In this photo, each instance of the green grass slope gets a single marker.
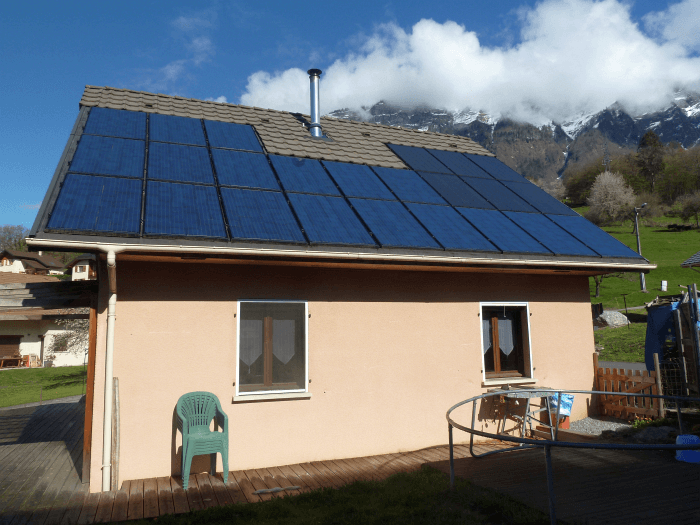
(28, 385)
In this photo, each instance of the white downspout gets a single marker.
(109, 373)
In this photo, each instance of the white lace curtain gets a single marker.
(283, 337)
(506, 329)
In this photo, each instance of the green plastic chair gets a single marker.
(195, 412)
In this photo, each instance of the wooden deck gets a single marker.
(40, 461)
(594, 486)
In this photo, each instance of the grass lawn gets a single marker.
(665, 248)
(418, 497)
(623, 343)
(25, 385)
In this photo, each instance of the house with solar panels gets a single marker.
(338, 285)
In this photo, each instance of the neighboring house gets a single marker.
(14, 261)
(83, 267)
(338, 294)
(31, 331)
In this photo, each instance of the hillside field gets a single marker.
(661, 246)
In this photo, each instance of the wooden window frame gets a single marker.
(524, 342)
(267, 352)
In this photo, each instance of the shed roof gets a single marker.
(152, 173)
(39, 261)
(691, 261)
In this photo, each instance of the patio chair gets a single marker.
(195, 412)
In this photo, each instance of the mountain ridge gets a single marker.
(546, 151)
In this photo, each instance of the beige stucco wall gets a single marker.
(389, 353)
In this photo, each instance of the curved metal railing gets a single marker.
(524, 442)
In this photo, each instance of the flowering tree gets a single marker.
(73, 338)
(610, 199)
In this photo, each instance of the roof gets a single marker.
(7, 278)
(41, 261)
(82, 258)
(146, 173)
(692, 261)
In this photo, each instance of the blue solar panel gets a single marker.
(419, 159)
(539, 198)
(109, 156)
(595, 238)
(455, 191)
(408, 186)
(498, 195)
(116, 123)
(502, 232)
(106, 204)
(180, 130)
(392, 224)
(495, 168)
(260, 215)
(549, 234)
(183, 210)
(329, 220)
(357, 180)
(179, 163)
(450, 228)
(241, 168)
(233, 136)
(303, 175)
(459, 164)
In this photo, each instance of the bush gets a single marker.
(610, 198)
(690, 207)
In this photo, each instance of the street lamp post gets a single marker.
(642, 281)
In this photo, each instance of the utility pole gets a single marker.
(642, 281)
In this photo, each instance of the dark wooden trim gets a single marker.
(90, 391)
(495, 343)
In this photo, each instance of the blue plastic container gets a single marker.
(689, 456)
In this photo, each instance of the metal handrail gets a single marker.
(546, 444)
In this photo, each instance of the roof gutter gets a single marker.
(58, 244)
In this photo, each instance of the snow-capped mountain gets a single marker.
(545, 151)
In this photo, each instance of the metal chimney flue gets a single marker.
(315, 127)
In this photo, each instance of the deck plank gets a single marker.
(305, 476)
(75, 505)
(120, 507)
(194, 498)
(220, 492)
(234, 491)
(285, 482)
(245, 486)
(165, 496)
(180, 502)
(294, 479)
(104, 507)
(331, 478)
(87, 513)
(206, 491)
(150, 498)
(136, 500)
(258, 484)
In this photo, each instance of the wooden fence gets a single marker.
(616, 381)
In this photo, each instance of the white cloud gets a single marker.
(574, 56)
(679, 24)
(198, 48)
(217, 99)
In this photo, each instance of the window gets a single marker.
(80, 269)
(272, 347)
(505, 340)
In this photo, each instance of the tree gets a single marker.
(650, 154)
(554, 187)
(73, 338)
(610, 198)
(12, 237)
(691, 207)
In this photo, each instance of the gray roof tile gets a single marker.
(283, 134)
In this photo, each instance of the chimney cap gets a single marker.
(314, 72)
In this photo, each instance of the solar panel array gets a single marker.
(142, 175)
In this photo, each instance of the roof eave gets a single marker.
(426, 258)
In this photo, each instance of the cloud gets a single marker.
(192, 33)
(680, 24)
(573, 56)
(217, 99)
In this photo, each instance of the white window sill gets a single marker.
(271, 397)
(497, 381)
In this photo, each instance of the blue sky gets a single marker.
(499, 56)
